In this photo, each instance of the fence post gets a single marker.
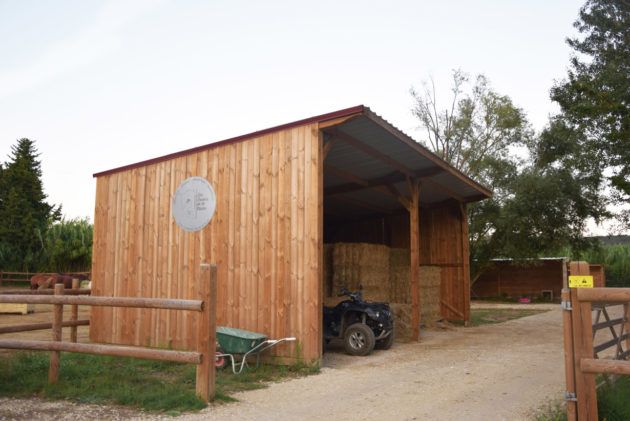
(626, 324)
(74, 315)
(206, 333)
(569, 365)
(53, 370)
(585, 386)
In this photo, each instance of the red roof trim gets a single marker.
(316, 119)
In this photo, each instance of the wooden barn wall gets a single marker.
(443, 242)
(512, 280)
(265, 238)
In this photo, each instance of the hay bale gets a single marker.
(399, 275)
(430, 295)
(363, 264)
(402, 321)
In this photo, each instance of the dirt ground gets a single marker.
(501, 371)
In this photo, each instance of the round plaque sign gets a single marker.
(194, 204)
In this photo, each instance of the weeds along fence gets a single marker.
(203, 356)
(25, 277)
(582, 357)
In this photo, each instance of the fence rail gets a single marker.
(14, 277)
(203, 356)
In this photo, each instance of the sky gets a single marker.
(100, 84)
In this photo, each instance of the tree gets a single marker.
(24, 213)
(67, 247)
(595, 97)
(539, 205)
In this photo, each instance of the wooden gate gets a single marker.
(583, 359)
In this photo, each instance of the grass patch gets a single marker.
(612, 404)
(484, 316)
(612, 400)
(554, 411)
(147, 385)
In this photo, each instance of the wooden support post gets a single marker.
(53, 370)
(74, 315)
(569, 364)
(465, 262)
(414, 249)
(582, 323)
(206, 333)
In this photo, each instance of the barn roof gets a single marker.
(367, 155)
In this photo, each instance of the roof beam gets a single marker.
(360, 182)
(389, 179)
(362, 204)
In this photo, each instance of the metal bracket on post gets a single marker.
(566, 305)
(570, 396)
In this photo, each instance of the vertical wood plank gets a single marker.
(569, 363)
(74, 313)
(53, 370)
(583, 348)
(206, 334)
(275, 224)
(414, 249)
(465, 261)
(99, 253)
(626, 326)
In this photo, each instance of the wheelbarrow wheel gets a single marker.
(220, 362)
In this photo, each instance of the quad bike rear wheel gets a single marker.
(359, 339)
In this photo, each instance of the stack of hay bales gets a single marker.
(399, 276)
(430, 295)
(385, 276)
(363, 264)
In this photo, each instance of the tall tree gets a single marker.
(537, 206)
(24, 215)
(595, 97)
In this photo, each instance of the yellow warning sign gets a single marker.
(580, 281)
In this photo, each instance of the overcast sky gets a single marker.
(99, 84)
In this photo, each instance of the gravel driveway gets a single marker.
(501, 371)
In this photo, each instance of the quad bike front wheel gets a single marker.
(359, 339)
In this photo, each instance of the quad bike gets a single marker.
(362, 325)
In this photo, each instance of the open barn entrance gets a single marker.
(394, 222)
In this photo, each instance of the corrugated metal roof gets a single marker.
(378, 154)
(369, 131)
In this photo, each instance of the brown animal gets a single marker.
(45, 281)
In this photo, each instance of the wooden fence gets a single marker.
(25, 277)
(203, 357)
(582, 362)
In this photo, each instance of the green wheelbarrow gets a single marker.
(235, 345)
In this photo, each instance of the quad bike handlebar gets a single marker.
(354, 296)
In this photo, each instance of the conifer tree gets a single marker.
(25, 216)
